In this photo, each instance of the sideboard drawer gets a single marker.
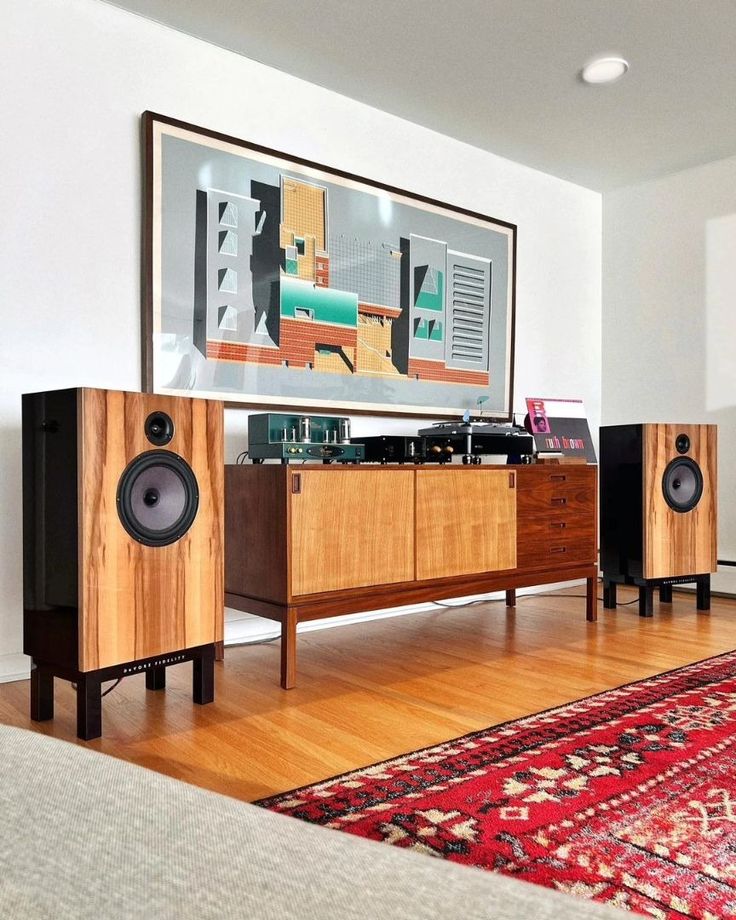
(563, 476)
(545, 552)
(570, 496)
(558, 525)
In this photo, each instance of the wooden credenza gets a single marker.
(309, 541)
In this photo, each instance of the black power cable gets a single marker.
(519, 597)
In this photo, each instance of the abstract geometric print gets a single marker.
(626, 798)
(269, 276)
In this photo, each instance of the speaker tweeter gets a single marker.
(159, 428)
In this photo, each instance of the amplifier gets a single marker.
(278, 436)
(391, 448)
(473, 441)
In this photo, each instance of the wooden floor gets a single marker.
(370, 691)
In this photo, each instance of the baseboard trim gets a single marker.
(722, 583)
(243, 628)
(14, 667)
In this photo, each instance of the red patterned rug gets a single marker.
(627, 797)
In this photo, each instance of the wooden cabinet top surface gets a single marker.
(539, 469)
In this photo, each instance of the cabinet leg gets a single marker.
(591, 601)
(646, 602)
(609, 594)
(42, 694)
(288, 649)
(665, 594)
(89, 707)
(511, 598)
(203, 677)
(156, 678)
(219, 651)
(703, 592)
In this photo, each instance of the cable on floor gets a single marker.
(256, 641)
(109, 689)
(520, 597)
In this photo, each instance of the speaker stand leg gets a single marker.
(156, 678)
(89, 706)
(288, 649)
(646, 602)
(203, 675)
(665, 594)
(703, 592)
(42, 694)
(591, 601)
(219, 651)
(511, 598)
(609, 594)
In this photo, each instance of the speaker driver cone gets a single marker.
(682, 443)
(159, 428)
(157, 498)
(682, 484)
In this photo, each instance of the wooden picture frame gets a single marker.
(273, 281)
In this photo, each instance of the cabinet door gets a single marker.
(466, 521)
(350, 528)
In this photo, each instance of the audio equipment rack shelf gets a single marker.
(309, 542)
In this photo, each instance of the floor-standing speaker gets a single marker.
(658, 492)
(122, 540)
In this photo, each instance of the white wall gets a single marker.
(669, 314)
(70, 203)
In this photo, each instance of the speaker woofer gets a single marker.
(157, 498)
(682, 484)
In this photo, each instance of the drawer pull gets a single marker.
(560, 526)
(558, 501)
(558, 477)
(558, 549)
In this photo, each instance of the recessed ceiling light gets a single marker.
(604, 70)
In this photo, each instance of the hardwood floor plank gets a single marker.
(373, 690)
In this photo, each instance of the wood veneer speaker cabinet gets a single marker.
(123, 534)
(658, 509)
(307, 542)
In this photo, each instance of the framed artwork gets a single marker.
(274, 281)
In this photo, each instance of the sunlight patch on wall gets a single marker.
(720, 301)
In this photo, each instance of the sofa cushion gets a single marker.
(84, 835)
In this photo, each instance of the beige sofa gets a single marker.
(83, 835)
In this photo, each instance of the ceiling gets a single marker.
(503, 74)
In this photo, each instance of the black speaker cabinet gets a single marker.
(658, 492)
(122, 542)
